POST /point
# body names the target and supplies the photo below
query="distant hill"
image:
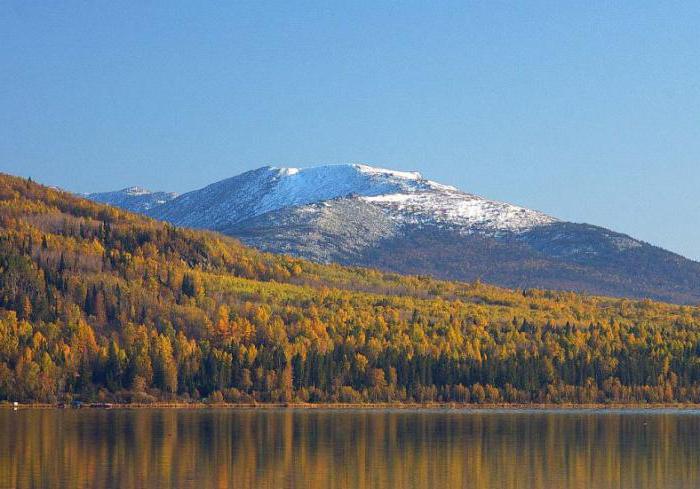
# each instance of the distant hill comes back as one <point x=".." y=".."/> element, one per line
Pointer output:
<point x="136" y="199"/>
<point x="401" y="222"/>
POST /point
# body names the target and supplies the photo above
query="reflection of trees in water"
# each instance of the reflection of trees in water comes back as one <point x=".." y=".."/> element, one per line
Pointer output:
<point x="340" y="449"/>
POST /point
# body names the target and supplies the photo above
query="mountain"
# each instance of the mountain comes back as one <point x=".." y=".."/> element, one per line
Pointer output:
<point x="404" y="197"/>
<point x="402" y="222"/>
<point x="102" y="304"/>
<point x="135" y="199"/>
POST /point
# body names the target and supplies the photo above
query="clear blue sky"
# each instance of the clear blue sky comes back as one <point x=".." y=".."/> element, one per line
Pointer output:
<point x="588" y="112"/>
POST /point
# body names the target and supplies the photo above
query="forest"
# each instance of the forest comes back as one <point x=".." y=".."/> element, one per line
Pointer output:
<point x="98" y="304"/>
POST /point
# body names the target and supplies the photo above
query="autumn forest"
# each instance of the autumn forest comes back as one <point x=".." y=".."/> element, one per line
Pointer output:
<point x="98" y="304"/>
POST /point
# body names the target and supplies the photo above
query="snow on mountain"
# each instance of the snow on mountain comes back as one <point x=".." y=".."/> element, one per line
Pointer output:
<point x="136" y="199"/>
<point x="456" y="209"/>
<point x="406" y="197"/>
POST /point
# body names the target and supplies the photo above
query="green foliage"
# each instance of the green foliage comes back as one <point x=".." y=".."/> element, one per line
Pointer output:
<point x="98" y="303"/>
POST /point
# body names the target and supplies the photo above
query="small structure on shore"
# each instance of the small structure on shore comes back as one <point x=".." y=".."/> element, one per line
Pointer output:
<point x="101" y="405"/>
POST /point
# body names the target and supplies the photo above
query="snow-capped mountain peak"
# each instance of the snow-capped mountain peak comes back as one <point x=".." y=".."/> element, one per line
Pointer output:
<point x="406" y="197"/>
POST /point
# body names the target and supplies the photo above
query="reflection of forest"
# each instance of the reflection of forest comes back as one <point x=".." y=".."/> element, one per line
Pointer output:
<point x="353" y="449"/>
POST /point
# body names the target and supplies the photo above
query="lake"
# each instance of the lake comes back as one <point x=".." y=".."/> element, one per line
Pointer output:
<point x="280" y="448"/>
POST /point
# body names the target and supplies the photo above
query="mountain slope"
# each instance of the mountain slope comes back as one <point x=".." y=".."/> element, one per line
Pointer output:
<point x="399" y="221"/>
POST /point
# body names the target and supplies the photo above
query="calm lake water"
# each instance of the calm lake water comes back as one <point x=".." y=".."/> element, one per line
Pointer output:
<point x="349" y="449"/>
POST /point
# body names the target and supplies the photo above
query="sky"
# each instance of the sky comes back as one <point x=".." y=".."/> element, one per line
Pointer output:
<point x="589" y="111"/>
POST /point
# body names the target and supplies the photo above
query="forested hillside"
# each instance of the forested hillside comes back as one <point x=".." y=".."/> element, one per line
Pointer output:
<point x="100" y="304"/>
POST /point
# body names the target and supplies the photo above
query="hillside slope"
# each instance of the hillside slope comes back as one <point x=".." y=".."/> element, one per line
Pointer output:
<point x="101" y="304"/>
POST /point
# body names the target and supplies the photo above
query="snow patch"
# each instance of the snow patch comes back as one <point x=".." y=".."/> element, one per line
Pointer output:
<point x="459" y="210"/>
<point x="408" y="175"/>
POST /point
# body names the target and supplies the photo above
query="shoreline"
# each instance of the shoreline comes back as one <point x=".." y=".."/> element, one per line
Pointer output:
<point x="366" y="406"/>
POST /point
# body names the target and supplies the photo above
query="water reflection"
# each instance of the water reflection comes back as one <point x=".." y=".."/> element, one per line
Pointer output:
<point x="341" y="449"/>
